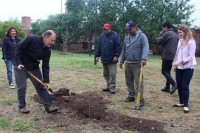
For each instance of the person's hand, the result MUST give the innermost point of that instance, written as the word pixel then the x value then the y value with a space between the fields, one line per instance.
pixel 174 67
pixel 121 66
pixel 115 59
pixel 19 67
pixel 161 33
pixel 143 62
pixel 97 59
pixel 46 86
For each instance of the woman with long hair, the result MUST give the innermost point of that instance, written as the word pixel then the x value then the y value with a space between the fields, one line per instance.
pixel 184 63
pixel 10 41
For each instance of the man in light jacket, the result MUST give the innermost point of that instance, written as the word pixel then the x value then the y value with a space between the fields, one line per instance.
pixel 134 54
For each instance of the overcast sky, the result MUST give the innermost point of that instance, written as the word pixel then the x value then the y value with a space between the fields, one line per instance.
pixel 36 9
pixel 196 14
pixel 41 9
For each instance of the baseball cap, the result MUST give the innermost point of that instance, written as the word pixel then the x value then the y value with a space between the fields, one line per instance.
pixel 129 25
pixel 107 26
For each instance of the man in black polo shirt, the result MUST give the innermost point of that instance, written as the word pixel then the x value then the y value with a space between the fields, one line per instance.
pixel 28 54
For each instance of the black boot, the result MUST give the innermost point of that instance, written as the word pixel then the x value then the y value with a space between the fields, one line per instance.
pixel 166 89
pixel 112 90
pixel 174 87
pixel 130 99
pixel 141 102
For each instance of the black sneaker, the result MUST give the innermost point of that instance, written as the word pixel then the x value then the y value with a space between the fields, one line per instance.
pixel 112 90
pixel 173 89
pixel 105 89
pixel 166 89
pixel 141 102
pixel 130 99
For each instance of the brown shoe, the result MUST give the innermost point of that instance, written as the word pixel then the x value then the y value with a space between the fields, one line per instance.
pixel 52 109
pixel 24 110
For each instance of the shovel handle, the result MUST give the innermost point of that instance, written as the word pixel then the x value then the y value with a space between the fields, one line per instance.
pixel 140 86
pixel 36 79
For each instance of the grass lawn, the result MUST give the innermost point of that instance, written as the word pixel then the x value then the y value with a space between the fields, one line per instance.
pixel 78 73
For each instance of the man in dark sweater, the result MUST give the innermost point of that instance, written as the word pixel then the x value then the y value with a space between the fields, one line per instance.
pixel 28 54
pixel 168 40
pixel 109 50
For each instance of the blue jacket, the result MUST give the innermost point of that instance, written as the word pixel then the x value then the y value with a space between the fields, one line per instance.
pixel 108 47
pixel 8 48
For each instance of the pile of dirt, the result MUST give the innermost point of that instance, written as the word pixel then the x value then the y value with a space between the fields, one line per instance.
pixel 90 106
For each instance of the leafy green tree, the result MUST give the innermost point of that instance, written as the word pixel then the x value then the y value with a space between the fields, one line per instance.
pixel 4 27
pixel 149 14
pixel 84 18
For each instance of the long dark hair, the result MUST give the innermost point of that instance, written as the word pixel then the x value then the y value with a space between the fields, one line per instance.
pixel 9 30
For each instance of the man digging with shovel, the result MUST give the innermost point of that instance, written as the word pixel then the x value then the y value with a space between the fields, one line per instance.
pixel 27 56
pixel 134 54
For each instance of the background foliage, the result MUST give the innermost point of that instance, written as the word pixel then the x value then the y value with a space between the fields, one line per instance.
pixel 4 27
pixel 83 19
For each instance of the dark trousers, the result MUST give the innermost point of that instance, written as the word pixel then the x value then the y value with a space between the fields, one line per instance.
pixel 21 81
pixel 183 78
pixel 166 69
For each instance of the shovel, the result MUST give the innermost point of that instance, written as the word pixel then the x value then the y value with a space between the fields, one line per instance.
pixel 137 106
pixel 33 77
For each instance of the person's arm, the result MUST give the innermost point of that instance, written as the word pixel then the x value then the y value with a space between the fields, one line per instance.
pixel 117 46
pixel 122 55
pixel 45 65
pixel 19 49
pixel 145 47
pixel 191 51
pixel 162 38
pixel 98 50
pixel 4 48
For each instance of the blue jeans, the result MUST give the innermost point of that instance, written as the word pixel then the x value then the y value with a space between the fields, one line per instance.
pixel 9 64
pixel 183 78
pixel 166 69
pixel 21 81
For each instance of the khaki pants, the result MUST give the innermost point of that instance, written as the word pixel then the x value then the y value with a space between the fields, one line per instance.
pixel 109 73
pixel 132 76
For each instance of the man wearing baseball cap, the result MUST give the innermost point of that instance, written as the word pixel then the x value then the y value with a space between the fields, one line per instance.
pixel 134 54
pixel 109 50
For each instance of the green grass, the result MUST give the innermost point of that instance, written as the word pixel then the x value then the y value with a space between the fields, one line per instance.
pixel 5 123
pixel 8 102
pixel 85 82
pixel 72 61
pixel 22 125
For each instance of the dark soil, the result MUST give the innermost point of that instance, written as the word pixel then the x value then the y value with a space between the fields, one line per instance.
pixel 87 107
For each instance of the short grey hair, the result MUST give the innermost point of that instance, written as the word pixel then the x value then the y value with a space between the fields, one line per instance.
pixel 48 33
